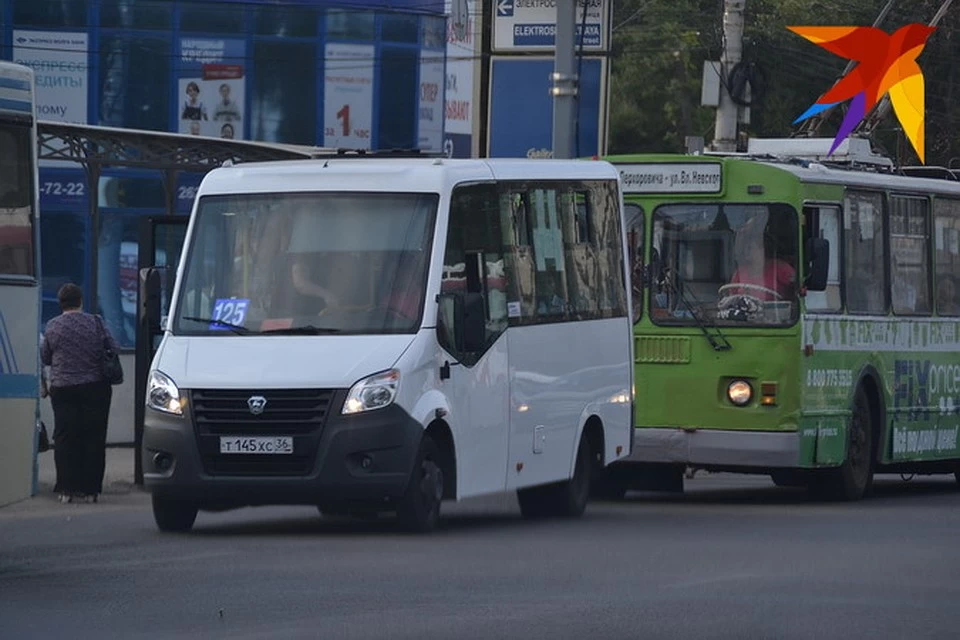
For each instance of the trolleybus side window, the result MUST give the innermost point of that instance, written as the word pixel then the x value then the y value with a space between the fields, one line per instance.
pixel 947 244
pixel 825 219
pixel 865 265
pixel 910 254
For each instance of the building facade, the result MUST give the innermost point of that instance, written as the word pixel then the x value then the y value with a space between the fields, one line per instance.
pixel 338 73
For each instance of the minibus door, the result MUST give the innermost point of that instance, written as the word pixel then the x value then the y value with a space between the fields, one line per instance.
pixel 160 242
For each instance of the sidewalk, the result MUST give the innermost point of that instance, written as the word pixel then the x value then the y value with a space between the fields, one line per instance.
pixel 117 478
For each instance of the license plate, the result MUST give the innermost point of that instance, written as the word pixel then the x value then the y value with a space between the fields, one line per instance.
pixel 273 445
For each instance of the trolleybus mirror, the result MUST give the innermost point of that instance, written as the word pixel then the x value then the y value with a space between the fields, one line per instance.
pixel 818 257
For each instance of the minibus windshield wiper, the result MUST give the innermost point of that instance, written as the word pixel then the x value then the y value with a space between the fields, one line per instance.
pixel 236 328
pixel 719 341
pixel 306 330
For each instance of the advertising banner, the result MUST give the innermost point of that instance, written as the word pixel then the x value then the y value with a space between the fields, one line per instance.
pixel 431 106
pixel 463 51
pixel 210 90
pixel 59 63
pixel 521 108
pixel 348 96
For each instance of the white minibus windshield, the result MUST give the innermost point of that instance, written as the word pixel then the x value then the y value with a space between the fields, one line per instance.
pixel 302 263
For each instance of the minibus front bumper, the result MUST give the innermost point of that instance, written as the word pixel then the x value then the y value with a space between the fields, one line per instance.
pixel 716 447
pixel 361 458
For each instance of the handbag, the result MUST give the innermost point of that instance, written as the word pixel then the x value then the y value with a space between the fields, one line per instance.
pixel 110 364
pixel 43 442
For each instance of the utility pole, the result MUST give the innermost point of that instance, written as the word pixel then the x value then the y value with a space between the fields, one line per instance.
pixel 565 81
pixel 725 129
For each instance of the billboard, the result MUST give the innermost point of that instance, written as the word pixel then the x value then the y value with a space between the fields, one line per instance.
pixel 461 89
pixel 59 63
pixel 520 122
pixel 210 87
pixel 348 96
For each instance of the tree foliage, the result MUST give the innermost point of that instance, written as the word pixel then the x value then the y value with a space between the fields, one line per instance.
pixel 660 46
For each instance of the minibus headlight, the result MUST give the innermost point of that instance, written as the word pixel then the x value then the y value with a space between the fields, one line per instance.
pixel 375 392
pixel 739 392
pixel 163 394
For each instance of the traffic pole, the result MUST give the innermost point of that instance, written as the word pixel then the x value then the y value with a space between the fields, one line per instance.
pixel 565 81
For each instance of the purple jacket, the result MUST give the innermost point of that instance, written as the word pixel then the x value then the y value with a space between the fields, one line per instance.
pixel 73 348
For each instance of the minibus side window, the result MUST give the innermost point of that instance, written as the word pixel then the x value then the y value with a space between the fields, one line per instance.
pixel 474 247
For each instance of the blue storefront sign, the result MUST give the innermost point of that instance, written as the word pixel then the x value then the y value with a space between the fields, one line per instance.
pixel 521 108
pixel 64 190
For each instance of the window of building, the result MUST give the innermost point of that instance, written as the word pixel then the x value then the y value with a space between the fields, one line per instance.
pixel 946 214
pixel 865 274
pixel 909 255
pixel 44 13
pixel 124 199
pixel 399 27
pixel 350 25
pixel 433 32
pixel 133 75
pixel 63 253
pixel 284 101
pixel 117 278
pixel 398 91
pixel 211 17
pixel 280 21
pixel 135 14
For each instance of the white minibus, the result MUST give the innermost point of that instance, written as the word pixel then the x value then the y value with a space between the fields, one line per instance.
pixel 380 334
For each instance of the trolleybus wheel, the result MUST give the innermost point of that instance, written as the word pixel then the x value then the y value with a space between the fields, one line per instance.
pixel 419 508
pixel 853 479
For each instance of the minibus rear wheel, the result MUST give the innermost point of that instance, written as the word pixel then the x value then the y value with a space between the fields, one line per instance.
pixel 173 515
pixel 567 499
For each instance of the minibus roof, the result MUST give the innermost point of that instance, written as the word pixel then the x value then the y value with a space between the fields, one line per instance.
pixel 427 175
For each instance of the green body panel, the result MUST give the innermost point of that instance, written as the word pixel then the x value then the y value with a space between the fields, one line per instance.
pixel 817 363
pixel 918 365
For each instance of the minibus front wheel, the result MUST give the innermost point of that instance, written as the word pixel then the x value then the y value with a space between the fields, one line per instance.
pixel 173 515
pixel 418 510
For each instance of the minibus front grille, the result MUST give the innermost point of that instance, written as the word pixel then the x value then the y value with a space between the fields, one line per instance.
pixel 221 465
pixel 255 412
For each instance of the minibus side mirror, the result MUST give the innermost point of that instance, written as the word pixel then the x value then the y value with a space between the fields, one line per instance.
pixel 150 297
pixel 818 259
pixel 461 320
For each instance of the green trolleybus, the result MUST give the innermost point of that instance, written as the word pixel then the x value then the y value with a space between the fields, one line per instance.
pixel 794 315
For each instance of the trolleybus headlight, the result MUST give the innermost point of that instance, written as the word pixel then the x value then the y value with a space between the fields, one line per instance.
pixel 739 392
pixel 163 394
pixel 374 392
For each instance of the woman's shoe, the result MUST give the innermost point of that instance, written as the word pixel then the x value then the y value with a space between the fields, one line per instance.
pixel 63 498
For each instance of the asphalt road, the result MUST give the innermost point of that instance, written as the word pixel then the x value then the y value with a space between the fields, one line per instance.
pixel 734 557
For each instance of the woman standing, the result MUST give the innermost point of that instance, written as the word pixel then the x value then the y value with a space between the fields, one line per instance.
pixel 74 347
